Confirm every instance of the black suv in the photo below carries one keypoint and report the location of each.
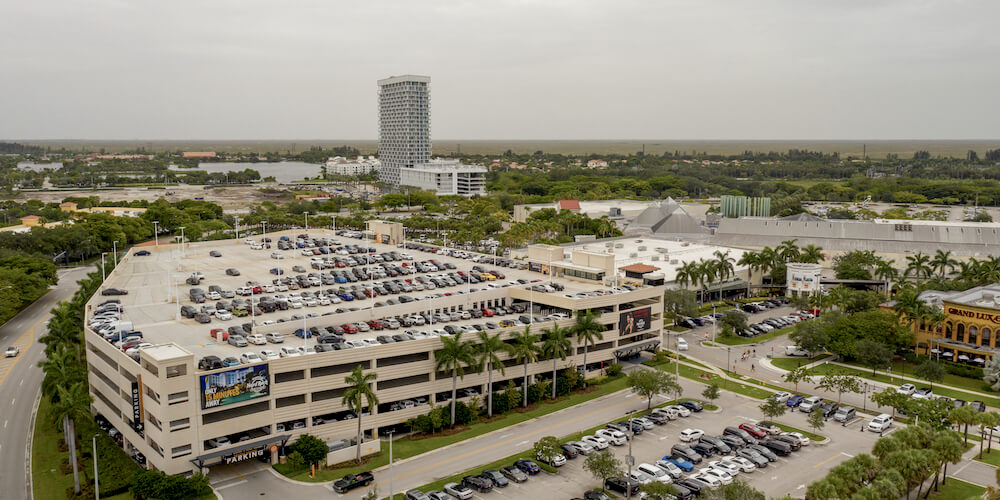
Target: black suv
(477, 483)
(209, 363)
(686, 452)
(622, 485)
(828, 409)
(720, 446)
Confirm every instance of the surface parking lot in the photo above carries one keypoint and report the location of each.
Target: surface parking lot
(789, 475)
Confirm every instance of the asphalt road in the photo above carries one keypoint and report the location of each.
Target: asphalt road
(20, 383)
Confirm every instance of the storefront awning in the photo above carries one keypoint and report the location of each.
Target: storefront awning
(959, 346)
(201, 460)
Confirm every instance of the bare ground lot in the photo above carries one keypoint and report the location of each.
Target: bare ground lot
(230, 198)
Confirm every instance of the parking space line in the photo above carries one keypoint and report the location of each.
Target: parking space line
(827, 460)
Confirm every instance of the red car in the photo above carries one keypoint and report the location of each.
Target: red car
(258, 289)
(498, 274)
(349, 328)
(488, 313)
(376, 325)
(462, 274)
(753, 430)
(220, 334)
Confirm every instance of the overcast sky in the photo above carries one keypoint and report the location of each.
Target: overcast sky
(619, 69)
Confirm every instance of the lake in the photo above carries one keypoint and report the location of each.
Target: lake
(286, 171)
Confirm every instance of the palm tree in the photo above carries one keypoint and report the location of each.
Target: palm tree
(454, 356)
(689, 273)
(918, 265)
(61, 369)
(524, 351)
(556, 346)
(943, 262)
(706, 274)
(885, 272)
(73, 405)
(841, 297)
(486, 354)
(588, 331)
(723, 265)
(752, 261)
(788, 251)
(358, 393)
(812, 254)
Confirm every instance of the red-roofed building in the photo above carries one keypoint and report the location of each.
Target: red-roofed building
(571, 205)
(637, 270)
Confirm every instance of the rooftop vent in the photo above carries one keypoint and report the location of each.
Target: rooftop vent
(661, 250)
(633, 255)
(642, 248)
(619, 245)
(989, 297)
(674, 262)
(656, 258)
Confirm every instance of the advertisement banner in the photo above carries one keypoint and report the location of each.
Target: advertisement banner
(634, 321)
(234, 386)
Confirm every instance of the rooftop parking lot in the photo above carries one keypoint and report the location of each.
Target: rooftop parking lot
(364, 297)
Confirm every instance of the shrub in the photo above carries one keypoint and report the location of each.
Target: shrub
(613, 370)
(500, 403)
(116, 468)
(463, 415)
(155, 484)
(312, 448)
(535, 393)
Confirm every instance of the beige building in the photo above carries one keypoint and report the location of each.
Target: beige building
(183, 417)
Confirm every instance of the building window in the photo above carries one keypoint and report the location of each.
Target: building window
(960, 333)
(985, 336)
(290, 401)
(289, 376)
(947, 331)
(180, 424)
(176, 371)
(177, 397)
(180, 451)
(972, 334)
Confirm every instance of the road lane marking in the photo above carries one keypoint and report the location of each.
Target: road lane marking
(29, 333)
(827, 460)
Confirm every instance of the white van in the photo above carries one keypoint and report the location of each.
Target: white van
(880, 423)
(794, 350)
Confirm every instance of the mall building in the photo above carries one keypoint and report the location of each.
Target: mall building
(185, 418)
(969, 332)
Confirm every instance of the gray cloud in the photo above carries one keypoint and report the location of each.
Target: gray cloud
(588, 69)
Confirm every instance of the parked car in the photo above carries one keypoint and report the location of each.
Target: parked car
(677, 461)
(498, 479)
(809, 404)
(907, 389)
(845, 414)
(513, 473)
(458, 491)
(688, 435)
(795, 400)
(880, 423)
(691, 404)
(478, 483)
(528, 467)
(621, 485)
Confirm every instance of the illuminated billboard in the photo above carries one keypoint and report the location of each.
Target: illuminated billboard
(234, 386)
(634, 322)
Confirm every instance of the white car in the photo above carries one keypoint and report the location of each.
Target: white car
(250, 357)
(682, 345)
(307, 350)
(682, 411)
(583, 447)
(641, 477)
(728, 467)
(289, 352)
(655, 472)
(669, 413)
(12, 352)
(646, 423)
(907, 389)
(223, 315)
(598, 442)
(781, 396)
(744, 465)
(804, 441)
(688, 435)
(674, 471)
(720, 474)
(616, 438)
(267, 354)
(256, 339)
(213, 296)
(712, 477)
(274, 337)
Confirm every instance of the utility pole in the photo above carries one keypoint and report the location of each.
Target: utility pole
(114, 248)
(182, 241)
(390, 465)
(156, 234)
(236, 225)
(104, 275)
(629, 459)
(97, 488)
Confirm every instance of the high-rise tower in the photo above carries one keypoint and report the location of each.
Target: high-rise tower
(404, 124)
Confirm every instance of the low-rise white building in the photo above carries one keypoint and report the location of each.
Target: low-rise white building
(446, 177)
(361, 166)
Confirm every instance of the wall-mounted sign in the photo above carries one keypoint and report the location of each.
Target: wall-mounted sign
(243, 455)
(234, 386)
(634, 321)
(992, 318)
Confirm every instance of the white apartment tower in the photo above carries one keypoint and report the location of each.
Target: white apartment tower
(404, 124)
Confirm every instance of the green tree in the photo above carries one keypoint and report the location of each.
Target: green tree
(772, 408)
(72, 405)
(680, 302)
(812, 254)
(547, 448)
(987, 421)
(811, 336)
(872, 354)
(964, 416)
(648, 383)
(603, 465)
(733, 321)
(312, 448)
(656, 490)
(892, 398)
(930, 371)
(524, 350)
(454, 355)
(487, 358)
(358, 394)
(816, 420)
(736, 490)
(948, 447)
(943, 262)
(798, 375)
(919, 266)
(711, 392)
(588, 332)
(555, 345)
(841, 383)
(61, 370)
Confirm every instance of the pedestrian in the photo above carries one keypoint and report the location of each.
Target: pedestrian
(755, 352)
(751, 367)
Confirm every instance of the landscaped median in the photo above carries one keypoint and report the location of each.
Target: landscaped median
(412, 446)
(709, 377)
(737, 340)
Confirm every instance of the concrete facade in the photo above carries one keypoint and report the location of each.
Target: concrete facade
(446, 177)
(404, 124)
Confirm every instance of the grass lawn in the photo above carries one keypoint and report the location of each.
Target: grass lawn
(992, 458)
(957, 489)
(405, 448)
(909, 369)
(707, 377)
(47, 480)
(736, 340)
(793, 363)
(938, 391)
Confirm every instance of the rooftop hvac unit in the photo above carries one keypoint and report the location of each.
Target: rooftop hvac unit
(642, 248)
(633, 255)
(609, 244)
(989, 297)
(661, 250)
(686, 244)
(638, 241)
(674, 262)
(619, 245)
(656, 258)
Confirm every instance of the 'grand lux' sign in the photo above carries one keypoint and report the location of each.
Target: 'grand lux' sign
(992, 318)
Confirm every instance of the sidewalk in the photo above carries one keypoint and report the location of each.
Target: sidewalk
(921, 381)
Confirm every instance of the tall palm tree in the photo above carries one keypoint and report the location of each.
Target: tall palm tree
(588, 332)
(358, 393)
(454, 356)
(752, 261)
(486, 358)
(723, 265)
(73, 405)
(524, 351)
(556, 345)
(812, 254)
(885, 272)
(918, 265)
(788, 251)
(841, 297)
(61, 369)
(768, 260)
(943, 262)
(706, 274)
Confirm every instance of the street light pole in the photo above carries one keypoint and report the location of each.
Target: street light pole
(104, 276)
(307, 221)
(156, 234)
(97, 488)
(629, 459)
(390, 465)
(114, 249)
(182, 241)
(236, 225)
